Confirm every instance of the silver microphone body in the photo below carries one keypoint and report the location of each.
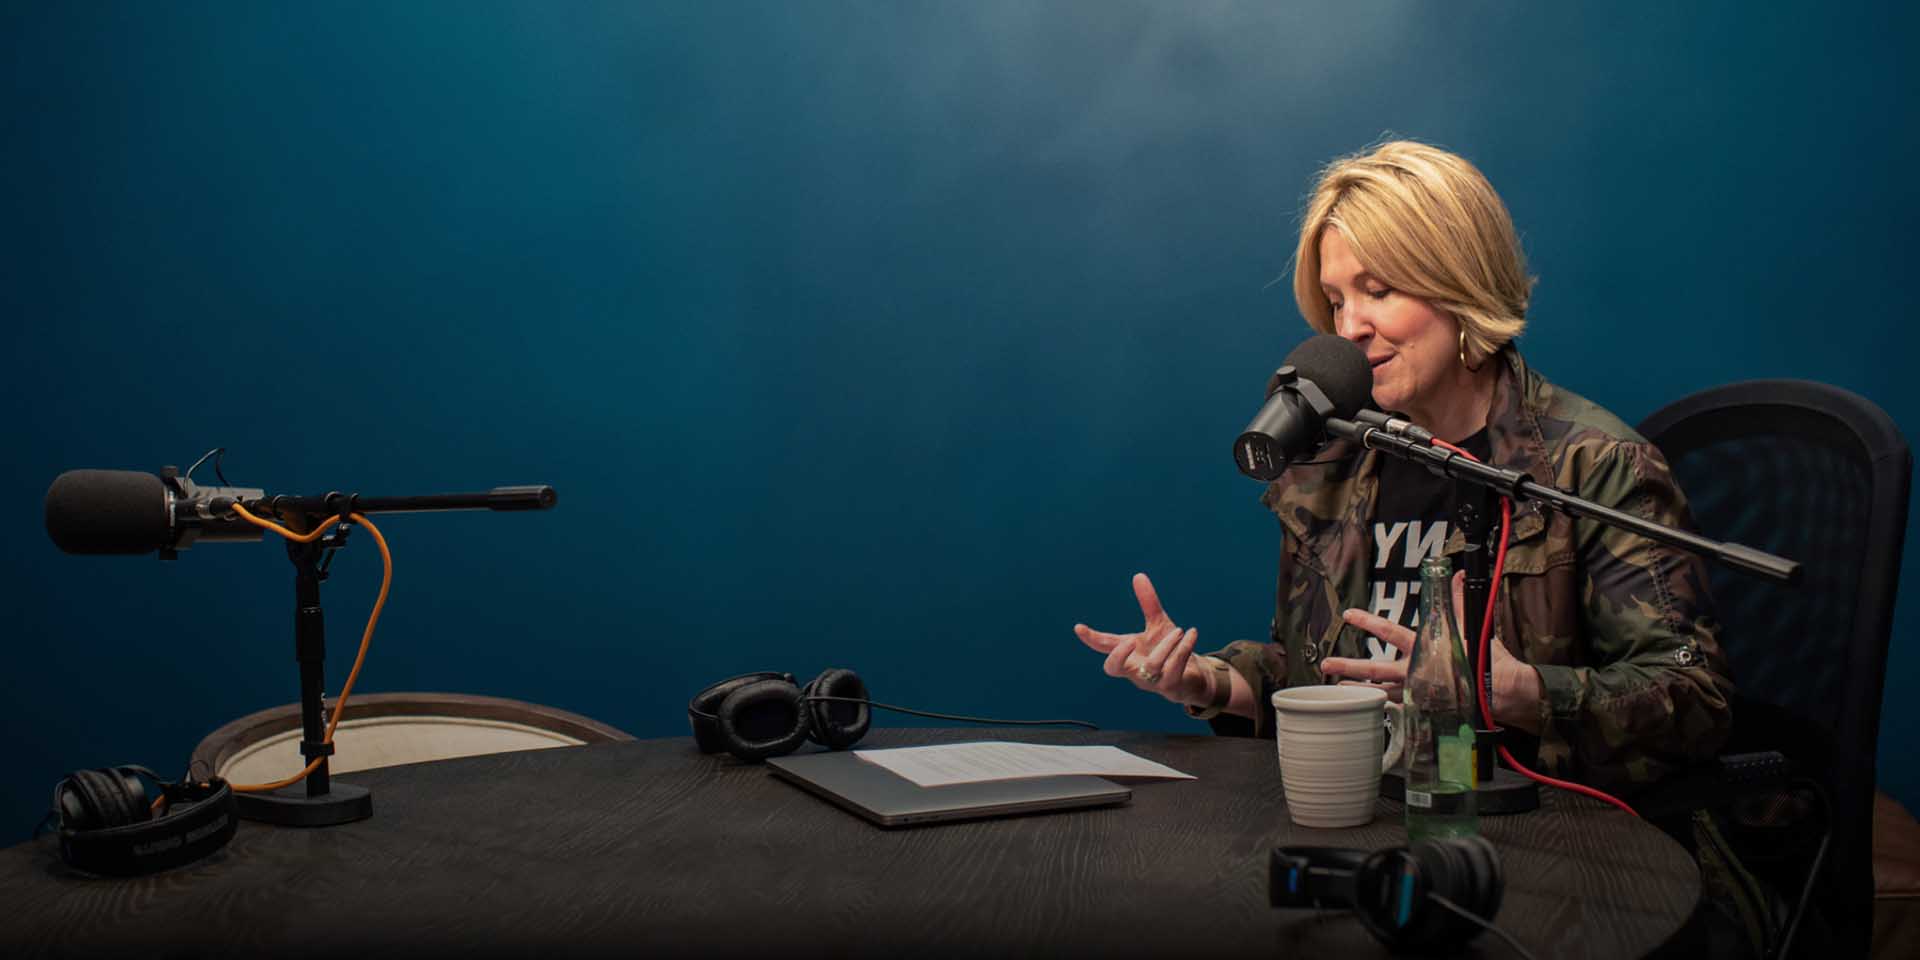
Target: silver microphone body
(1394, 425)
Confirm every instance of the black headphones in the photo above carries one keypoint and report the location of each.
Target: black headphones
(106, 823)
(1390, 889)
(759, 715)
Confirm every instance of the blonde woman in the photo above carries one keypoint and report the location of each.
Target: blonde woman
(1607, 665)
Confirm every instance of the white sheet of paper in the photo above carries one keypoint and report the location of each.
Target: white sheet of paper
(951, 763)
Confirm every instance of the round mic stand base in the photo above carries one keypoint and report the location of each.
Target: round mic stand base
(291, 807)
(1507, 792)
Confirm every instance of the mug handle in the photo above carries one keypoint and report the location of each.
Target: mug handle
(1397, 739)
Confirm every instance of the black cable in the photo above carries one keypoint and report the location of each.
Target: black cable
(47, 824)
(53, 818)
(215, 452)
(951, 716)
(1761, 900)
(1463, 911)
(1813, 873)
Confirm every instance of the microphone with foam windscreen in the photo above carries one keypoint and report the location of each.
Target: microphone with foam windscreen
(129, 512)
(1325, 377)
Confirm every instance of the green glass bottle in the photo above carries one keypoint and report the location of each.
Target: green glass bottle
(1440, 772)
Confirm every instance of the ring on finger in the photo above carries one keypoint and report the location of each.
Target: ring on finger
(1146, 674)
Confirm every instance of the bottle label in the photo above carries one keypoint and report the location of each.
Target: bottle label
(1456, 756)
(1440, 800)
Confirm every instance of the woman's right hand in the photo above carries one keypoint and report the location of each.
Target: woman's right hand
(1158, 658)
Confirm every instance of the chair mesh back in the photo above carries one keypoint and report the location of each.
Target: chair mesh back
(1801, 498)
(1818, 475)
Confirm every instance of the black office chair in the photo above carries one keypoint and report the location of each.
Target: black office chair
(1819, 475)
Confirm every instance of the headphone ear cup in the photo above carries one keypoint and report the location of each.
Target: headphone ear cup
(1446, 873)
(1488, 875)
(1389, 889)
(104, 801)
(133, 791)
(1466, 871)
(704, 709)
(79, 802)
(761, 719)
(838, 725)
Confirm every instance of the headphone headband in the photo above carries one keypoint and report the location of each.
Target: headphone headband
(201, 818)
(707, 700)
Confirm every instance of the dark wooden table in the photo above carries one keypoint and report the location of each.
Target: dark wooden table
(649, 848)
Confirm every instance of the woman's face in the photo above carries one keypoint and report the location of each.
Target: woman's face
(1413, 347)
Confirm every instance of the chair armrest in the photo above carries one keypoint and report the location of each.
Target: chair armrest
(1716, 783)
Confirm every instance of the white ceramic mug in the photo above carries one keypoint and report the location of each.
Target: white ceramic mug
(1332, 752)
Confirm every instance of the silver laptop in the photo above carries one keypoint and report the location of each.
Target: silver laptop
(890, 800)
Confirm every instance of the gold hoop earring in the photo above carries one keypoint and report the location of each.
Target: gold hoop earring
(1463, 350)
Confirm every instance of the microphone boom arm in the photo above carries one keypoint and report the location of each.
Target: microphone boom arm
(1517, 485)
(529, 497)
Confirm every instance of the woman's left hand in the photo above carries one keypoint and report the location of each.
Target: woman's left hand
(1516, 685)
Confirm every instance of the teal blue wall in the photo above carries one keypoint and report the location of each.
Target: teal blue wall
(885, 335)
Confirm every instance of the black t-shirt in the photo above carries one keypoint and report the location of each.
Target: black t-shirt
(1412, 517)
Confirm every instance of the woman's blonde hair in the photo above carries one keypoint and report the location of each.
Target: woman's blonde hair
(1426, 223)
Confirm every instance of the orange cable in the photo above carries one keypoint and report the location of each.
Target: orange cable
(319, 529)
(366, 638)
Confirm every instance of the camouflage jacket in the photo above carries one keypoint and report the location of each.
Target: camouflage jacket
(1620, 628)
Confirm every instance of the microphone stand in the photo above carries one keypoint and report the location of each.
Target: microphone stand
(1500, 790)
(1519, 487)
(1497, 790)
(325, 801)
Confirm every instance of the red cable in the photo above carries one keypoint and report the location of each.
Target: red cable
(1493, 594)
(1486, 632)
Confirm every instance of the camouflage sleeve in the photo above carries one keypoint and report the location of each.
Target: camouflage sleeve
(1655, 693)
(1264, 666)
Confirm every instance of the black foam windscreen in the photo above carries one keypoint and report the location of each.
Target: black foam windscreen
(107, 512)
(1339, 368)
